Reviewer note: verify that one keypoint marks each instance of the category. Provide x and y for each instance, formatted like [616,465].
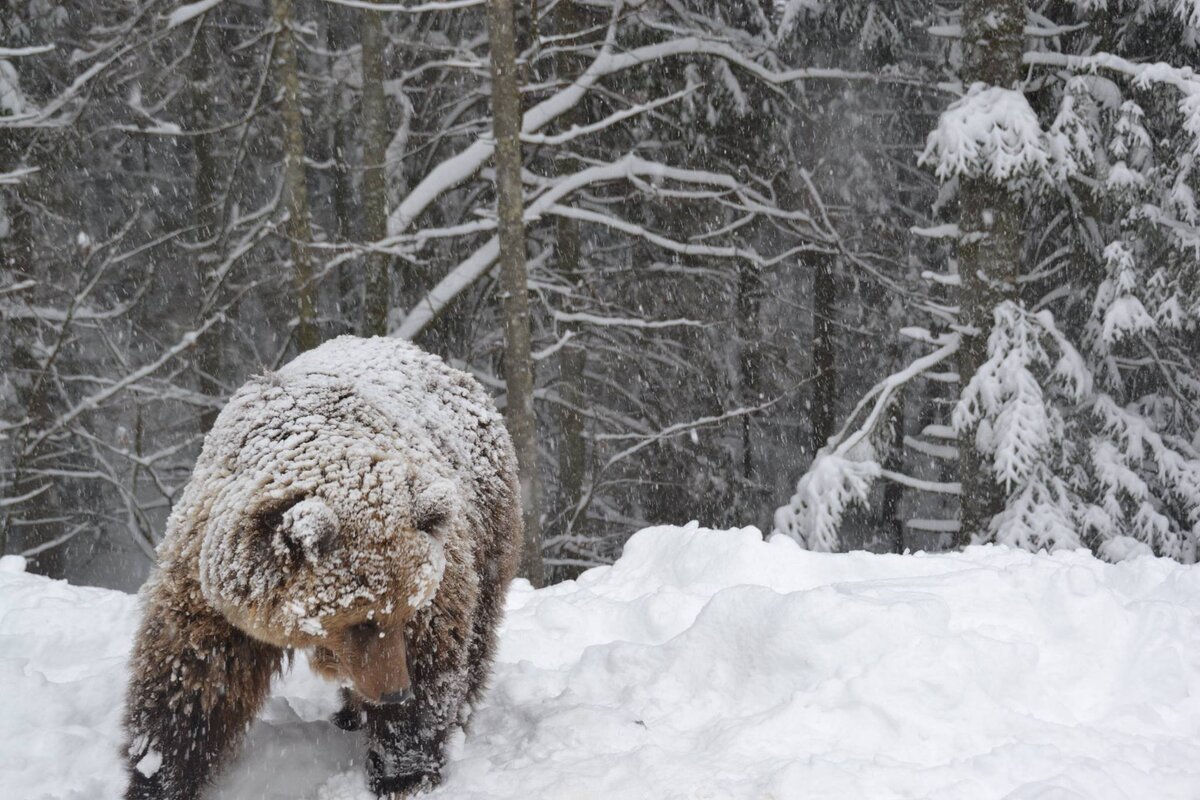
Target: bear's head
[320,537]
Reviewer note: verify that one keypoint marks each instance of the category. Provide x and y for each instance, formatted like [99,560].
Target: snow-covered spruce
[360,504]
[1083,419]
[712,664]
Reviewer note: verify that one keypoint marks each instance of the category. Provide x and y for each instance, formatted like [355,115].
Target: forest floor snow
[709,664]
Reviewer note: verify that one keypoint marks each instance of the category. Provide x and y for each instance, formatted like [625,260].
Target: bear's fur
[361,504]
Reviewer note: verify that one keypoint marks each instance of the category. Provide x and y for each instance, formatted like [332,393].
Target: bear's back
[430,405]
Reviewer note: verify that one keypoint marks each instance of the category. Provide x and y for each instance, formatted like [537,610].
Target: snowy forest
[872,274]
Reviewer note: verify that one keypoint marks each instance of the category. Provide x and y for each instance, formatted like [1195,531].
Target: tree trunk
[990,249]
[569,19]
[349,279]
[572,453]
[207,216]
[893,492]
[750,360]
[518,362]
[375,142]
[824,351]
[295,185]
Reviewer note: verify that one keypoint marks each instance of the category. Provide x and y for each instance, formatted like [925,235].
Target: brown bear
[360,504]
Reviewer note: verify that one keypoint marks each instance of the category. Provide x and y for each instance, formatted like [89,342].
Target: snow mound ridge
[712,664]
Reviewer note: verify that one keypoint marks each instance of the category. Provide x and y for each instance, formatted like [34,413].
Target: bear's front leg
[406,750]
[196,684]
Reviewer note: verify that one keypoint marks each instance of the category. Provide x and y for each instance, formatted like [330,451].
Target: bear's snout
[375,659]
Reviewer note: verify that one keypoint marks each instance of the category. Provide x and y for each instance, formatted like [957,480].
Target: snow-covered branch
[845,469]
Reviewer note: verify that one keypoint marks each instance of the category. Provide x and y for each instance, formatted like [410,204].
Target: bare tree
[375,143]
[295,180]
[207,213]
[824,349]
[518,361]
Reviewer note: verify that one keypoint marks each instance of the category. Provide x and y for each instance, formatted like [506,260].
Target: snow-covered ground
[710,664]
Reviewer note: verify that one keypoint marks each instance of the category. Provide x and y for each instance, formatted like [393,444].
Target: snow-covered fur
[360,503]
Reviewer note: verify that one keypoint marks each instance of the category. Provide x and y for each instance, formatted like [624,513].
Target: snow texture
[711,664]
[1117,307]
[991,132]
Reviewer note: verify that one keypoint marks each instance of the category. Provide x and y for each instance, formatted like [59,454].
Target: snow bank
[710,664]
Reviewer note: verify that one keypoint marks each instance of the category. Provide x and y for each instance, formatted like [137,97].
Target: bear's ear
[309,526]
[433,506]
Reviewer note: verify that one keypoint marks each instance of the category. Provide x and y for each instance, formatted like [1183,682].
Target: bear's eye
[268,516]
[430,520]
[433,506]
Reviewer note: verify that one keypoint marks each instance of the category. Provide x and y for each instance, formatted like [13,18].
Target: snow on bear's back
[365,423]
[418,393]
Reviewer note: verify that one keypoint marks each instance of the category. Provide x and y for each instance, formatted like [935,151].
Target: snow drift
[710,664]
